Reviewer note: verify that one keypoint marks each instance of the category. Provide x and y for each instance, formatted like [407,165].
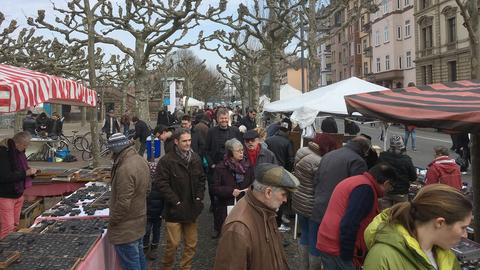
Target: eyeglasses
[238,150]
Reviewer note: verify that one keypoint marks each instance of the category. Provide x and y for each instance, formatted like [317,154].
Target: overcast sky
[21,9]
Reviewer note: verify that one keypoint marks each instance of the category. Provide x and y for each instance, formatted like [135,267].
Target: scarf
[253,155]
[237,167]
[187,156]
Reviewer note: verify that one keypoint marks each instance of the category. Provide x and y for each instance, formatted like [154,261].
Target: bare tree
[155,26]
[209,85]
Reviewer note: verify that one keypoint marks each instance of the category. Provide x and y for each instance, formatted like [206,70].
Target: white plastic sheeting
[193,102]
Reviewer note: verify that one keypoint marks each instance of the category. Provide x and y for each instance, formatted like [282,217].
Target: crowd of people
[42,125]
[352,204]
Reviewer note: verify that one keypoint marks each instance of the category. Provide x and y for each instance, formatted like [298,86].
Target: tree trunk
[123,104]
[83,115]
[188,93]
[92,82]
[141,82]
[255,88]
[275,76]
[18,122]
[313,59]
[102,107]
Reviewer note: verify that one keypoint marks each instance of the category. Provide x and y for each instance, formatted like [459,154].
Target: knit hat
[396,142]
[117,142]
[274,175]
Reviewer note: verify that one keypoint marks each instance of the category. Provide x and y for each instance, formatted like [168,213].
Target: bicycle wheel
[85,141]
[87,156]
[63,145]
[80,143]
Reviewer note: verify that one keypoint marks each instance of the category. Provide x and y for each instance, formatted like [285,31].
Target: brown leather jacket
[128,203]
[250,238]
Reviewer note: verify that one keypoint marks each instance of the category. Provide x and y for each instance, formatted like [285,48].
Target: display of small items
[39,263]
[468,253]
[72,226]
[49,245]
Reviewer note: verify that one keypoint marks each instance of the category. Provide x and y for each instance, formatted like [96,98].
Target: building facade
[393,44]
[443,52]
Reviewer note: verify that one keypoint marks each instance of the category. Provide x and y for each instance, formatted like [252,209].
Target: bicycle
[87,152]
[80,143]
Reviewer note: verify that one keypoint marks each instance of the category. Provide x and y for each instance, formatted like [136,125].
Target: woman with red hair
[307,161]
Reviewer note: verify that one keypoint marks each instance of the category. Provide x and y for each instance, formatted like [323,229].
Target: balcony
[366,27]
[425,52]
[367,52]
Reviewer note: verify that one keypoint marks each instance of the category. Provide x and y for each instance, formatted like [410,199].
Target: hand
[31,171]
[198,199]
[178,203]
[237,192]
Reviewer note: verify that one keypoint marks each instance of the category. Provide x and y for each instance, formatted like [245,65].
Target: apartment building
[393,44]
[365,45]
[442,46]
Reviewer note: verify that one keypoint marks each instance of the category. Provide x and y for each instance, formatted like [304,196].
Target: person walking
[397,157]
[232,178]
[336,166]
[250,239]
[16,176]
[257,153]
[125,121]
[155,206]
[142,131]
[110,126]
[352,206]
[282,147]
[329,125]
[198,143]
[419,234]
[181,182]
[307,160]
[128,210]
[410,132]
[249,120]
[165,135]
[443,169]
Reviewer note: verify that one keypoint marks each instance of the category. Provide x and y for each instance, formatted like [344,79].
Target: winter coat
[142,131]
[334,167]
[107,125]
[444,170]
[128,208]
[404,168]
[179,181]
[224,182]
[201,129]
[391,247]
[55,127]
[29,125]
[154,198]
[307,161]
[248,122]
[198,144]
[250,238]
[215,145]
[164,118]
[282,147]
[12,176]
[266,156]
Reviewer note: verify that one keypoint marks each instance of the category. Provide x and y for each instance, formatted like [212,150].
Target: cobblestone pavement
[205,256]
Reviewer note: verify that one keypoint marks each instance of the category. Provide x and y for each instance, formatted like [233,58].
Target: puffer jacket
[404,168]
[444,170]
[391,247]
[307,161]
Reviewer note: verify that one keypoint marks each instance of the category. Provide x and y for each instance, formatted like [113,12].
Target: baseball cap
[276,176]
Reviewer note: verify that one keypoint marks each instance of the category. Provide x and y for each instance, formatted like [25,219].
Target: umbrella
[21,88]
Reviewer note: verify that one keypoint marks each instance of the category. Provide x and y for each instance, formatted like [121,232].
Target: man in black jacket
[198,144]
[142,131]
[249,120]
[282,147]
[110,126]
[30,124]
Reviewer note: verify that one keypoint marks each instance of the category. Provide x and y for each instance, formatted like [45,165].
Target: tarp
[328,99]
[21,88]
[286,92]
[193,102]
[450,106]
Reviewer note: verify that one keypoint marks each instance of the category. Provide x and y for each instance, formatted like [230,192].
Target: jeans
[407,135]
[335,263]
[309,229]
[10,210]
[153,226]
[174,232]
[131,255]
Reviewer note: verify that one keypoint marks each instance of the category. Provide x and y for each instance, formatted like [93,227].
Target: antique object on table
[50,263]
[467,250]
[94,226]
[66,176]
[7,258]
[414,188]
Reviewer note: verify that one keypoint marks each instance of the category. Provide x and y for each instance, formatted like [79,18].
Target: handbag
[230,207]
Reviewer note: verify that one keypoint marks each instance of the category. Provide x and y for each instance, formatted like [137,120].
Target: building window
[340,77]
[339,38]
[452,71]
[399,4]
[385,6]
[407,28]
[407,2]
[427,74]
[408,59]
[387,62]
[452,29]
[399,62]
[364,42]
[399,32]
[378,64]
[340,57]
[359,48]
[424,4]
[365,68]
[377,38]
[426,38]
[385,34]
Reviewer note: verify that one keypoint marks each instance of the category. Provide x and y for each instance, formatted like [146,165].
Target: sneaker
[414,149]
[285,220]
[284,228]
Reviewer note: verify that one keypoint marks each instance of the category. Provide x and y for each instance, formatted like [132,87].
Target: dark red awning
[449,106]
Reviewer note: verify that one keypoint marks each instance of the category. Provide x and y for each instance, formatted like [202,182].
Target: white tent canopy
[328,99]
[193,102]
[286,92]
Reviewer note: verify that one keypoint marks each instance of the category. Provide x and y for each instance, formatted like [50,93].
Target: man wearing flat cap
[256,152]
[250,238]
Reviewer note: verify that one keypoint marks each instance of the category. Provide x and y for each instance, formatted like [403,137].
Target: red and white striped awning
[21,89]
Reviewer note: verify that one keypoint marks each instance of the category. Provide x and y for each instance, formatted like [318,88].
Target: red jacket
[444,170]
[328,236]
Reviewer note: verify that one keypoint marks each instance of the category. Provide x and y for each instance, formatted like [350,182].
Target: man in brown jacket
[181,182]
[128,209]
[250,237]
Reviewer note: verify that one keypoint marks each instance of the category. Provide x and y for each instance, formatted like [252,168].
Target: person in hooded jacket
[29,123]
[397,157]
[419,234]
[443,169]
[155,206]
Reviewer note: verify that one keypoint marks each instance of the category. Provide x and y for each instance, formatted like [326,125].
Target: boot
[315,262]
[303,251]
[153,254]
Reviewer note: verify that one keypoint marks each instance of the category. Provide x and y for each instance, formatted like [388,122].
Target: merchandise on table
[38,263]
[94,226]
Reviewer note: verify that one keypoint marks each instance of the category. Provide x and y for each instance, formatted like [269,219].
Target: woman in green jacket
[419,234]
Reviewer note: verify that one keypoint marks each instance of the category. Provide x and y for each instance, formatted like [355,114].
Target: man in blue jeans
[128,211]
